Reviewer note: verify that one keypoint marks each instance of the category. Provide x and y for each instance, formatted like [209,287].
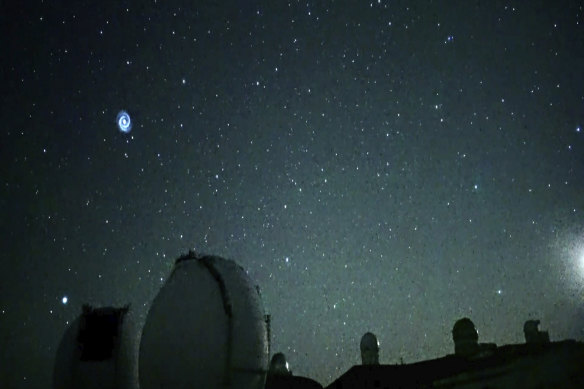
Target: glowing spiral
[124,121]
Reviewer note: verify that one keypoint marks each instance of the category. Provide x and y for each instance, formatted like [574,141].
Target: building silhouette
[538,363]
[206,328]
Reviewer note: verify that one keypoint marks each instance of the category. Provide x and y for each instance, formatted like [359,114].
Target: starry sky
[386,166]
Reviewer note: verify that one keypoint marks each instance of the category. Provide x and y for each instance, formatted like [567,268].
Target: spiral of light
[124,121]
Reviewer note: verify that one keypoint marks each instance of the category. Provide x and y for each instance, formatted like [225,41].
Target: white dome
[205,329]
[98,350]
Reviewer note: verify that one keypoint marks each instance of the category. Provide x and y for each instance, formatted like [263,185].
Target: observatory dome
[99,350]
[369,349]
[205,329]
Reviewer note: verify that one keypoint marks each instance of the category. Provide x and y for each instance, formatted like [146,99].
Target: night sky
[388,167]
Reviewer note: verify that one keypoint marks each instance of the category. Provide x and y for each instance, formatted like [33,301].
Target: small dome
[369,342]
[464,329]
[369,349]
[279,365]
[465,337]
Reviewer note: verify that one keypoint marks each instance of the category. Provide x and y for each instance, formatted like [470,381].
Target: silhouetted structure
[279,365]
[532,333]
[280,376]
[206,328]
[465,337]
[476,365]
[369,349]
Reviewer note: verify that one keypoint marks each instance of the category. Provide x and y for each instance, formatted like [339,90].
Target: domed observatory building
[369,349]
[280,376]
[205,329]
[98,350]
[465,337]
